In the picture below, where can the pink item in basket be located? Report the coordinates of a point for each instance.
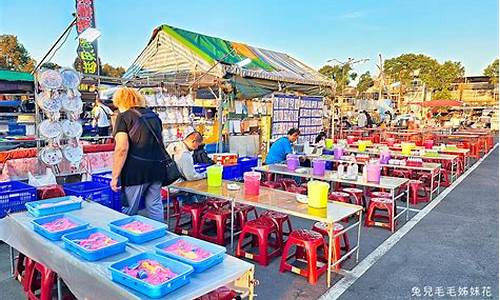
(188, 250)
(96, 241)
(59, 225)
(150, 271)
(137, 227)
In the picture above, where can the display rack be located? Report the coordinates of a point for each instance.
(303, 112)
(286, 109)
(310, 118)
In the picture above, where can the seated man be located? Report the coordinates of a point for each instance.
(282, 147)
(182, 153)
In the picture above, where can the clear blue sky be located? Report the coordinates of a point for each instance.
(312, 31)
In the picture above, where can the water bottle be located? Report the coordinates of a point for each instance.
(340, 170)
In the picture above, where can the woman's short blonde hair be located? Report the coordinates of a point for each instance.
(127, 98)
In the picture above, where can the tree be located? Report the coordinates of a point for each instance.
(342, 74)
(13, 55)
(442, 77)
(492, 71)
(50, 65)
(438, 77)
(365, 82)
(108, 70)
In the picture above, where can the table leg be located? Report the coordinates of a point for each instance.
(439, 182)
(329, 259)
(393, 222)
(59, 289)
(453, 176)
(168, 210)
(359, 233)
(432, 185)
(232, 226)
(408, 201)
(12, 260)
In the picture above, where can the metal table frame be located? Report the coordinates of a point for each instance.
(200, 188)
(448, 157)
(432, 168)
(332, 177)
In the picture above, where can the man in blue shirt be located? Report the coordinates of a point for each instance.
(282, 147)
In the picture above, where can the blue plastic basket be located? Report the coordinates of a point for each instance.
(218, 253)
(183, 272)
(55, 236)
(247, 163)
(231, 172)
(327, 152)
(35, 210)
(93, 255)
(105, 178)
(95, 191)
(13, 196)
(201, 168)
(159, 230)
(17, 129)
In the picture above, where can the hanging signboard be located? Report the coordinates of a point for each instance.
(87, 52)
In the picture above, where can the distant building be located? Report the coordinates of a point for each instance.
(475, 91)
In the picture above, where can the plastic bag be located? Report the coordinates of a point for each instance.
(48, 179)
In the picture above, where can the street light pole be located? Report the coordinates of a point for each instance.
(350, 61)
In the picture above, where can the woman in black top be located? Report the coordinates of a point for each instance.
(138, 153)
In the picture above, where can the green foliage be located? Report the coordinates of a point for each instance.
(108, 70)
(50, 65)
(341, 74)
(438, 77)
(13, 55)
(492, 71)
(365, 82)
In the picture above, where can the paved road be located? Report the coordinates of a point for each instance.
(453, 249)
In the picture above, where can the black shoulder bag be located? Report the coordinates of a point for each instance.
(172, 172)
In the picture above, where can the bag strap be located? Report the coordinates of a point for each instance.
(157, 139)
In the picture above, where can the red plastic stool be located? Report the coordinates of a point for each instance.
(50, 191)
(260, 229)
(307, 244)
(172, 202)
(445, 178)
(339, 196)
(40, 289)
(222, 293)
(194, 212)
(291, 186)
(279, 220)
(380, 204)
(24, 268)
(217, 203)
(272, 185)
(380, 194)
(417, 186)
(320, 227)
(357, 194)
(221, 217)
(243, 212)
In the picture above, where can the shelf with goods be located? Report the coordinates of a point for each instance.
(243, 126)
(173, 107)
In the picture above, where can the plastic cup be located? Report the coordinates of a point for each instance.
(292, 162)
(329, 143)
(319, 167)
(214, 175)
(251, 183)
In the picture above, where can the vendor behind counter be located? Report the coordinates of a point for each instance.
(282, 147)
